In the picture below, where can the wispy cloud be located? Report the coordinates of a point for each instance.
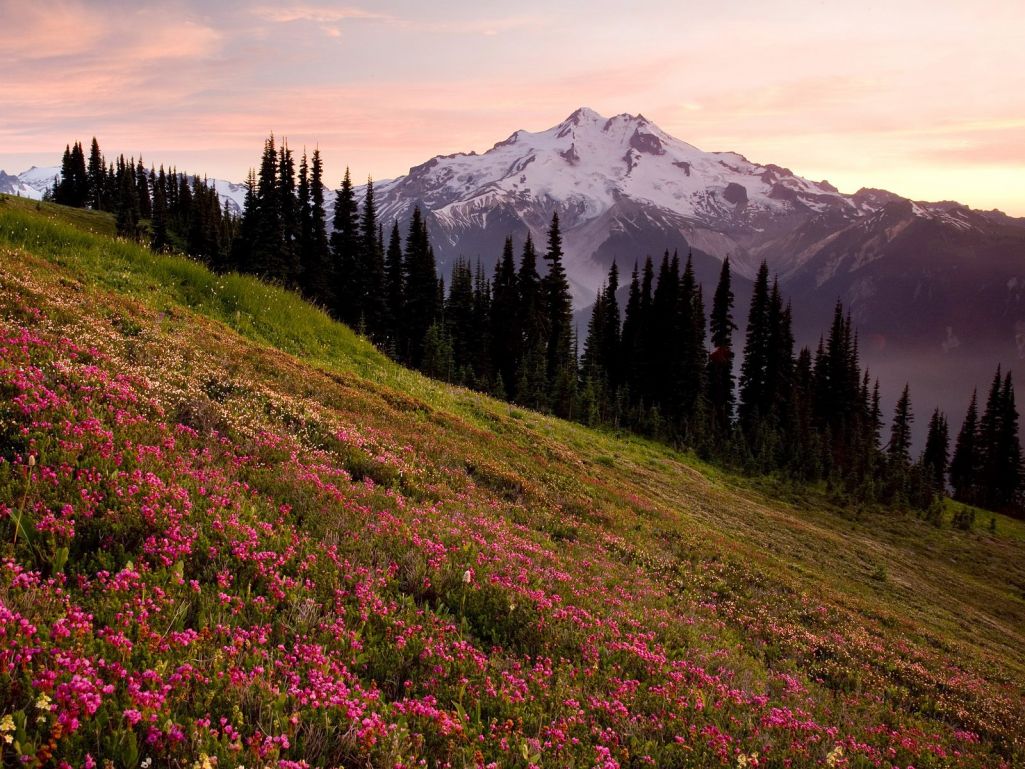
(288, 13)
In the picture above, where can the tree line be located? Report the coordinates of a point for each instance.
(659, 366)
(183, 212)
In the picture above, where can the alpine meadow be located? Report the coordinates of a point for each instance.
(585, 448)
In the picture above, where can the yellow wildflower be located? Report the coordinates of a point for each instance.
(6, 727)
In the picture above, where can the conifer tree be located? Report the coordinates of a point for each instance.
(127, 204)
(899, 448)
(611, 334)
(990, 443)
(506, 319)
(422, 288)
(322, 280)
(96, 172)
(666, 339)
(965, 463)
(344, 246)
(561, 365)
(72, 188)
(158, 224)
(143, 191)
(532, 379)
(459, 319)
(245, 237)
(937, 451)
(720, 360)
(693, 355)
(630, 354)
(288, 267)
(373, 302)
(1010, 466)
(396, 290)
(267, 246)
(756, 353)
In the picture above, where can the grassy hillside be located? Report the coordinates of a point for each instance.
(232, 532)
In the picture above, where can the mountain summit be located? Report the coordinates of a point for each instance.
(624, 188)
(612, 180)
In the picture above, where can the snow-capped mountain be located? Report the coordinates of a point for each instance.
(32, 183)
(937, 289)
(625, 188)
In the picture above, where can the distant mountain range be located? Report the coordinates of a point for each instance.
(937, 290)
(34, 183)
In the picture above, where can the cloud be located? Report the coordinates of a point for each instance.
(287, 14)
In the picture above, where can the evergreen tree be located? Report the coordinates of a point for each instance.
(305, 226)
(72, 188)
(422, 300)
(665, 339)
(96, 172)
(693, 355)
(720, 360)
(965, 463)
(320, 279)
(459, 319)
(756, 353)
(373, 302)
(1010, 466)
(480, 336)
(266, 252)
(142, 191)
(241, 247)
(396, 290)
(610, 337)
(560, 361)
(158, 224)
(345, 245)
(899, 448)
(532, 380)
(506, 319)
(990, 443)
(288, 266)
(937, 451)
(127, 204)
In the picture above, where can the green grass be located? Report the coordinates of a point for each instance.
(767, 543)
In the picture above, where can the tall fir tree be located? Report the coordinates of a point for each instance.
(396, 290)
(506, 320)
(937, 451)
(756, 354)
(96, 173)
(158, 224)
(322, 281)
(532, 379)
(344, 247)
(142, 190)
(561, 365)
(899, 447)
(720, 360)
(373, 302)
(288, 265)
(422, 301)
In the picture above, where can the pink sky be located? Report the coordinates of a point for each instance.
(926, 99)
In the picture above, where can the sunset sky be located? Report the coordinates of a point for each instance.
(926, 99)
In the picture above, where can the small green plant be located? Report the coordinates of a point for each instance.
(964, 519)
